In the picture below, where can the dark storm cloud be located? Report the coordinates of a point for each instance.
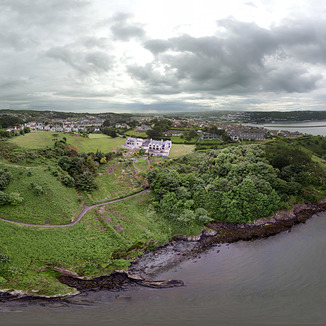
(124, 30)
(242, 58)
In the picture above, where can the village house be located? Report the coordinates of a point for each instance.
(143, 128)
(135, 142)
(31, 125)
(207, 135)
(121, 126)
(14, 128)
(247, 135)
(173, 133)
(39, 126)
(57, 128)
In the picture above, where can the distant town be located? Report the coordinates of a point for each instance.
(154, 134)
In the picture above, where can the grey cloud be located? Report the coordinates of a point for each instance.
(121, 17)
(124, 30)
(125, 33)
(13, 40)
(37, 10)
(32, 23)
(99, 60)
(291, 79)
(157, 46)
(95, 42)
(242, 58)
(84, 63)
(160, 83)
(304, 39)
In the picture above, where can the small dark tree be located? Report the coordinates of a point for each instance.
(85, 182)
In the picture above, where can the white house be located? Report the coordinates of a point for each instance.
(159, 145)
(135, 142)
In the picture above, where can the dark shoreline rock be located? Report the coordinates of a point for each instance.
(116, 281)
(145, 268)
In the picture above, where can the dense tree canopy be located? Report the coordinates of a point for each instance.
(236, 184)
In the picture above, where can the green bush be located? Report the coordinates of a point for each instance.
(5, 178)
(15, 198)
(68, 181)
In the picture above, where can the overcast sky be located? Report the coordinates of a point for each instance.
(162, 55)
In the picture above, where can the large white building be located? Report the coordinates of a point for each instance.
(156, 147)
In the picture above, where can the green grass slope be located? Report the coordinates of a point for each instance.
(58, 204)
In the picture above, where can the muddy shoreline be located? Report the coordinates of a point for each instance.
(143, 271)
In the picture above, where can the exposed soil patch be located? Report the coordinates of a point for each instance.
(109, 171)
(119, 228)
(74, 148)
(106, 218)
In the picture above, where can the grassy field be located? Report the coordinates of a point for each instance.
(133, 133)
(179, 140)
(89, 248)
(142, 164)
(180, 150)
(115, 179)
(57, 205)
(41, 139)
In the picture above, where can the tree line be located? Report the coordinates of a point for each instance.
(237, 184)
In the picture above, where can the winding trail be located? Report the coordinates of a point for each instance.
(81, 214)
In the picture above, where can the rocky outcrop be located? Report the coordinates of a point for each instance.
(116, 281)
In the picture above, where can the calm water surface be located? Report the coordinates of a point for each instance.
(280, 280)
(316, 128)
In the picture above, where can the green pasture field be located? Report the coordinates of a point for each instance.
(180, 150)
(115, 180)
(179, 140)
(41, 139)
(58, 204)
(92, 247)
(133, 133)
